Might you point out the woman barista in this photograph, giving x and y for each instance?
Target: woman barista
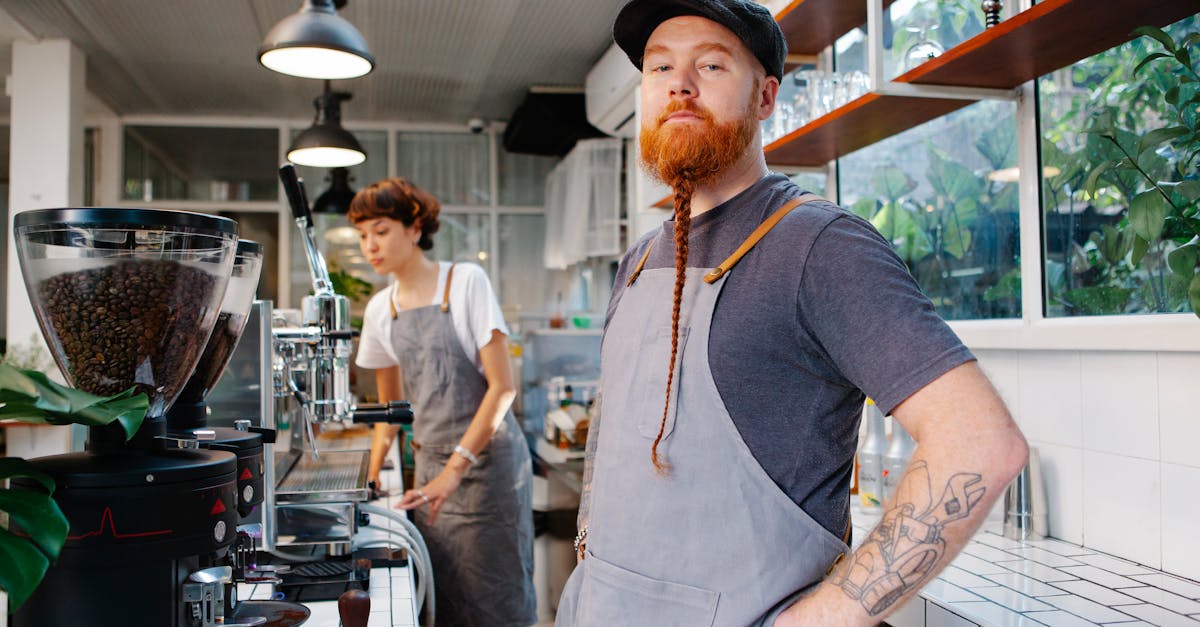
(436, 337)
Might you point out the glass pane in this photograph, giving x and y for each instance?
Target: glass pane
(451, 166)
(817, 183)
(522, 274)
(338, 243)
(464, 237)
(523, 178)
(914, 31)
(200, 163)
(317, 180)
(940, 194)
(1120, 250)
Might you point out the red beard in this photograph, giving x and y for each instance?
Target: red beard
(682, 152)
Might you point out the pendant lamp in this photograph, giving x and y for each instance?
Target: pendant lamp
(326, 144)
(316, 42)
(337, 198)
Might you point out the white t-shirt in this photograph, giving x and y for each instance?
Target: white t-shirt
(474, 311)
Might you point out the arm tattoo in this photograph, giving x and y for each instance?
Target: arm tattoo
(906, 547)
(589, 462)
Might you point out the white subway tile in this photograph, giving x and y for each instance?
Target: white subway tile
(1012, 599)
(1026, 585)
(1162, 598)
(1102, 577)
(1050, 397)
(1156, 615)
(1059, 618)
(1062, 473)
(1183, 588)
(1003, 368)
(1114, 564)
(1090, 610)
(1037, 571)
(1120, 403)
(1177, 408)
(1122, 512)
(1098, 593)
(1180, 513)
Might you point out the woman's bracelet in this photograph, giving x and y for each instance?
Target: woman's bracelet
(467, 454)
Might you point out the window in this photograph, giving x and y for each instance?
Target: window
(452, 166)
(943, 194)
(200, 163)
(1095, 260)
(523, 178)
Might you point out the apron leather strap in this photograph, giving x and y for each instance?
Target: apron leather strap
(446, 296)
(758, 234)
(641, 264)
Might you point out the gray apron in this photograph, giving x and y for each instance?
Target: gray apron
(716, 541)
(481, 545)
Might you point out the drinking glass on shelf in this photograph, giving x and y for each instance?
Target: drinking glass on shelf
(924, 48)
(858, 82)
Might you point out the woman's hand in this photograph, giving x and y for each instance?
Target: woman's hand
(434, 493)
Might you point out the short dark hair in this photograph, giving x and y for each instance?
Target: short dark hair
(399, 199)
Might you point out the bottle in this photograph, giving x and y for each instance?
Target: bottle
(896, 458)
(558, 319)
(870, 458)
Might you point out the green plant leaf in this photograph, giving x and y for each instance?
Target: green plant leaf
(1094, 177)
(1149, 59)
(22, 567)
(39, 516)
(864, 208)
(1189, 190)
(892, 183)
(1099, 300)
(1147, 214)
(1140, 246)
(30, 396)
(1182, 55)
(1182, 260)
(1194, 294)
(1159, 136)
(1157, 33)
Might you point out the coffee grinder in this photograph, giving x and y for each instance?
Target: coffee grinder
(188, 416)
(129, 298)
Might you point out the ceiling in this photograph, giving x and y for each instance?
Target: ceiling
(437, 61)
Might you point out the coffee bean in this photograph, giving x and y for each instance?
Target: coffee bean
(133, 323)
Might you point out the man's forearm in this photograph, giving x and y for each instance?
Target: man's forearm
(935, 511)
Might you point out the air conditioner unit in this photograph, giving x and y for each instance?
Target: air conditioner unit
(611, 94)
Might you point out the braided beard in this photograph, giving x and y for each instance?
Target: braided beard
(682, 156)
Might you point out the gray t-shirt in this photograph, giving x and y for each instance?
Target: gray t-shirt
(820, 311)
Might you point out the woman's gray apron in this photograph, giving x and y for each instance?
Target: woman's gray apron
(715, 542)
(481, 545)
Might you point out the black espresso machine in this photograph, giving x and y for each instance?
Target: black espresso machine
(129, 298)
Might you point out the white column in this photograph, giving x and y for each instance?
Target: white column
(46, 151)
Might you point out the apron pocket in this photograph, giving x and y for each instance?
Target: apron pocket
(611, 595)
(651, 381)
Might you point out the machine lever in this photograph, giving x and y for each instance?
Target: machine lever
(394, 412)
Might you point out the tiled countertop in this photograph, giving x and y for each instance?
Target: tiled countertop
(1002, 582)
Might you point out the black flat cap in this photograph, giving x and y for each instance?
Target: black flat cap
(750, 21)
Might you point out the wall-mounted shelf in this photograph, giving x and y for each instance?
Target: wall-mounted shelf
(810, 26)
(1051, 35)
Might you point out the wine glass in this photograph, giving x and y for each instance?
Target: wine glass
(924, 48)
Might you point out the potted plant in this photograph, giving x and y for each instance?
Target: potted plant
(37, 528)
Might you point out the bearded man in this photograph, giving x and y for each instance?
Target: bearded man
(718, 471)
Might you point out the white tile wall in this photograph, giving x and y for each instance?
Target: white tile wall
(1062, 471)
(1049, 397)
(1119, 437)
(1179, 422)
(1120, 403)
(1180, 518)
(1122, 509)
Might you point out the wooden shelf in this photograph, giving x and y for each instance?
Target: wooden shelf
(812, 25)
(1050, 36)
(855, 125)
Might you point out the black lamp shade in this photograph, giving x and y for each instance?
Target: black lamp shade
(337, 198)
(316, 43)
(326, 145)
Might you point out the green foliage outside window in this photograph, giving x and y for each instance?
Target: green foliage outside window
(1121, 184)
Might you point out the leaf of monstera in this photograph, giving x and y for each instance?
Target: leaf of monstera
(1147, 214)
(36, 534)
(30, 396)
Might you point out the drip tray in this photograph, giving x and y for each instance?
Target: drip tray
(336, 476)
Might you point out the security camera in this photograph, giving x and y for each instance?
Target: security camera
(477, 125)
